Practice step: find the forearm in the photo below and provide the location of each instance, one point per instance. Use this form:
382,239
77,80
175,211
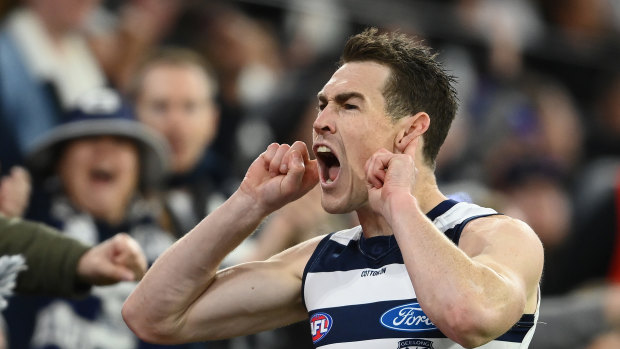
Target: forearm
187,269
461,296
50,257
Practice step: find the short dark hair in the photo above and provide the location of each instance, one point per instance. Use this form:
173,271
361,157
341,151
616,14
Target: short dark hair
417,81
170,55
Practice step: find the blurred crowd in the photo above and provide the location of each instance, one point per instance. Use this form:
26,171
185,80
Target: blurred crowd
141,116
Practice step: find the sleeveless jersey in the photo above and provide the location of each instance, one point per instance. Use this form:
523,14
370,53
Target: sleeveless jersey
358,293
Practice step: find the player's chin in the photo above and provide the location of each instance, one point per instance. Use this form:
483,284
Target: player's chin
335,205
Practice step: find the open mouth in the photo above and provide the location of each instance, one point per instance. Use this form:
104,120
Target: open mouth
328,163
99,175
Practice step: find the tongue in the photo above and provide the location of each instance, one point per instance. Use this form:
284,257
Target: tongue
333,172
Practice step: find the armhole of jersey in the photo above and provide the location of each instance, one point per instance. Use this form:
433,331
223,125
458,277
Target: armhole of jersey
313,258
530,334
459,230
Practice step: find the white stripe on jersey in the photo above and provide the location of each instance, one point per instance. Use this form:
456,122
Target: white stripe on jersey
383,287
458,213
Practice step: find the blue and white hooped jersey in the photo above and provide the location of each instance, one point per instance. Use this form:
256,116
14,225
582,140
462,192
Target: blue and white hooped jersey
359,295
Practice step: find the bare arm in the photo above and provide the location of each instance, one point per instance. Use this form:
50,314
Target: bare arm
182,298
475,292
295,222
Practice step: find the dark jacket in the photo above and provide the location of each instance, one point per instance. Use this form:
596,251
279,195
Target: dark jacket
51,258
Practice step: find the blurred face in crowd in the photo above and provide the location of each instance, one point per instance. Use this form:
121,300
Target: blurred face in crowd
545,206
100,175
63,15
176,100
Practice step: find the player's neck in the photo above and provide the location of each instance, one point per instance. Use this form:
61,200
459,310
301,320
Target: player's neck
426,190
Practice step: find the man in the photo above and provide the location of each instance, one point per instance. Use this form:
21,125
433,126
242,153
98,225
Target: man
37,259
104,165
421,271
55,264
174,95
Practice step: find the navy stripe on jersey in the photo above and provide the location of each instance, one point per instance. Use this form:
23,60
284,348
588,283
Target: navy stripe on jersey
347,328
519,330
331,252
440,209
454,234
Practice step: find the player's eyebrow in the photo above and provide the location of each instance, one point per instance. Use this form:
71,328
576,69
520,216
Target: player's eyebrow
341,97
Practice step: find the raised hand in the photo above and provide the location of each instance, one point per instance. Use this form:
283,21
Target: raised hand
389,175
14,192
280,175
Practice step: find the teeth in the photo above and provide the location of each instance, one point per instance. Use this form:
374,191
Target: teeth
329,181
323,149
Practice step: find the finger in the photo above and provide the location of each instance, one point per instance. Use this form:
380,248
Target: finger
412,147
303,150
377,166
276,166
128,254
299,147
372,171
295,171
268,154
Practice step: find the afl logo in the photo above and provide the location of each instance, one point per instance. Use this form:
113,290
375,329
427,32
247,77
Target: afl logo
408,317
320,324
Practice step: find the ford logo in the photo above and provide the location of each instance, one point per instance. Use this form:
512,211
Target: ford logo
408,317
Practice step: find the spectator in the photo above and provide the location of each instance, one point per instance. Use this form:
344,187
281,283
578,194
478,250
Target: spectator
174,94
101,158
49,263
45,64
51,52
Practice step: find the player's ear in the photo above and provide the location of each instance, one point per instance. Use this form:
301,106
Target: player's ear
411,127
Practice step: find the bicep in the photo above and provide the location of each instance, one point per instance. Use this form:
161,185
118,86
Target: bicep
251,297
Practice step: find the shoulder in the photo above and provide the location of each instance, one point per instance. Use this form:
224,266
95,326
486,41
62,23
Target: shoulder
294,259
503,238
500,226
